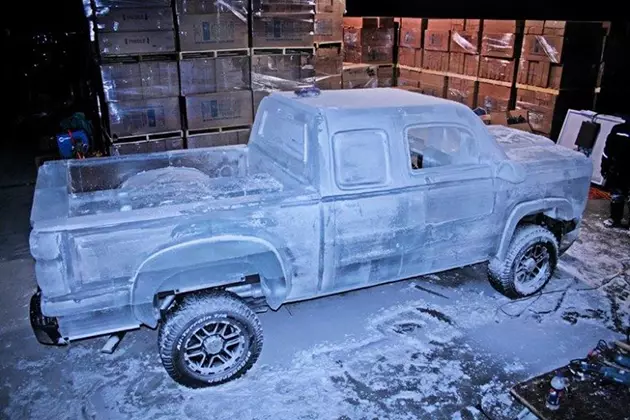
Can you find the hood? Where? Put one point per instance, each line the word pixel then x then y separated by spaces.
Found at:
pixel 522 146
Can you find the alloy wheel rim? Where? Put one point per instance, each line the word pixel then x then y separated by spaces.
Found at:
pixel 532 269
pixel 215 347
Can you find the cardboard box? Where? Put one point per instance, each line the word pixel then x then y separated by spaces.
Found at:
pixel 131 118
pixel 462 91
pixel 555 27
pixel 498 26
pixel 328 61
pixel 534 73
pixel 258 97
pixel 215 110
pixel 210 75
pixel 465 42
pixel 328 27
pixel 224 138
pixel 535 101
pixel 137 81
pixel 282 32
pixel 543 48
pixel 329 82
pixel 210 7
pixel 136 19
pixel 516 119
pixel 132 43
pixel 534 27
pixel 359 76
pixel 435 60
pixel 446 24
pixel 371 22
pixel 555 76
pixel 499 45
pixel 404 82
pixel 473 25
pixel 493 98
pixel 281 72
pixel 432 84
pixel 212 32
pixel 411 33
pixel 146 146
pixel 407 56
pixel 496 69
pixel 466 64
pixel 385 76
pixel 436 40
pixel 330 6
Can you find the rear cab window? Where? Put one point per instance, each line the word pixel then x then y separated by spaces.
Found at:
pixel 361 159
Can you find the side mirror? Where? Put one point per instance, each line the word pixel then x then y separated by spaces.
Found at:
pixel 510 171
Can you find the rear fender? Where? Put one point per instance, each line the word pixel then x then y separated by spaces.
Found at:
pixel 555 208
pixel 207 263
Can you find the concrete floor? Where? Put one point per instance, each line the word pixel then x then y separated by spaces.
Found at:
pixel 440 346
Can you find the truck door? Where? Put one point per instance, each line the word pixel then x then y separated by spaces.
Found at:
pixel 367 212
pixel 456 224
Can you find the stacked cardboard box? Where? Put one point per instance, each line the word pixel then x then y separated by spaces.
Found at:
pixel 141 94
pixel 125 30
pixel 359 76
pixel 464 60
pixel 329 21
pixel 282 24
pixel 328 67
pixel 280 72
pixel 410 44
pixel 368 40
pixel 557 56
pixel 206 25
pixel 496 66
pixel 464 48
pixel 141 97
pixel 217 92
pixel 437 38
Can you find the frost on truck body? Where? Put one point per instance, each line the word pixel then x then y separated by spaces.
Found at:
pixel 334 192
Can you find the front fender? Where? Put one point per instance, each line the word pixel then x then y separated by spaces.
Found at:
pixel 206 263
pixel 556 208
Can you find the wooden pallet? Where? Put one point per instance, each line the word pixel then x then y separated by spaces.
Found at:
pixel 458 75
pixel 283 50
pixel 145 137
pixel 237 52
pixel 538 89
pixel 201 131
pixel 329 44
pixel 138 58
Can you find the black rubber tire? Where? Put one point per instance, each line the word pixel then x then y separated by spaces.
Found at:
pixel 501 273
pixel 190 313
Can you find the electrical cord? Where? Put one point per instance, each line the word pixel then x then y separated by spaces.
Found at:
pixel 538 295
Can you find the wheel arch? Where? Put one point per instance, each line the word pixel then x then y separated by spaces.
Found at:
pixel 205 264
pixel 559 209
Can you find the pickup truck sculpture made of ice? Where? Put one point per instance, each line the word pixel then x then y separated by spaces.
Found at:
pixel 334 192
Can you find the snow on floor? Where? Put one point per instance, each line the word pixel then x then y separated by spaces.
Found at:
pixel 440 346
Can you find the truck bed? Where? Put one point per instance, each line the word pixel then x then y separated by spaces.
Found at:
pixel 74 188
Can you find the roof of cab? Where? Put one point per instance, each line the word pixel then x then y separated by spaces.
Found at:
pixel 373 99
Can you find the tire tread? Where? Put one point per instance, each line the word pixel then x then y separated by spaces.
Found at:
pixel 197 305
pixel 500 271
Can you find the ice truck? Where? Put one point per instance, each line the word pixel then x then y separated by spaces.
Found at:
pixel 334 191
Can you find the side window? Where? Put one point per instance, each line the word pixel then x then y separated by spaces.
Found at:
pixel 361 158
pixel 434 146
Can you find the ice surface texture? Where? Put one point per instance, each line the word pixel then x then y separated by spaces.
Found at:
pixel 322 200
